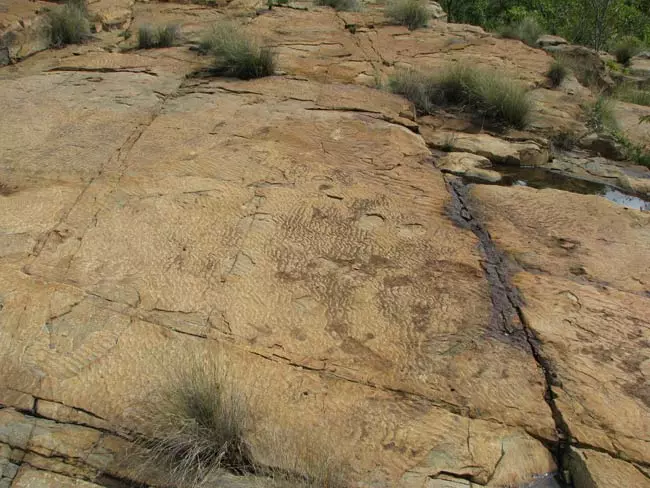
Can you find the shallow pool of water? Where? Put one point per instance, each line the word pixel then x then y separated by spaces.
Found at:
pixel 541 178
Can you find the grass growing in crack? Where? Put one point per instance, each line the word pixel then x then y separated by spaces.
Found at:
pixel 487 94
pixel 67 24
pixel 150 37
pixel 411 13
pixel 198 425
pixel 236 54
pixel 341 5
pixel 557 72
pixel 527 30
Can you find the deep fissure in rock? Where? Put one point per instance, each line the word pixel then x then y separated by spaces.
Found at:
pixel 507 316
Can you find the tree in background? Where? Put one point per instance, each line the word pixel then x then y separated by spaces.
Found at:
pixel 593 23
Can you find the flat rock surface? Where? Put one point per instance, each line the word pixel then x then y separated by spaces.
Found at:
pixel 296 229
pixel 585 293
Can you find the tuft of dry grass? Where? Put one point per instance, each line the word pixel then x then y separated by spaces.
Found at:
pixel 341 5
pixel 198 423
pixel 486 93
pixel 67 24
pixel 150 37
pixel 557 72
pixel 411 13
pixel 236 54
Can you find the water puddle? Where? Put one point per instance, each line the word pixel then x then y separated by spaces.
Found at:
pixel 541 178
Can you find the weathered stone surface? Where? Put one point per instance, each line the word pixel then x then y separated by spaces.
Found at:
pixel 549 40
pixel 604 145
pixel 594 469
pixel 298 200
pixel 295 228
pixel 569 235
pixel 631 178
pixel 36 478
pixel 21 29
pixel 596 341
pixel 627 116
pixel 586 305
pixel 468 164
pixel 493 148
pixel 112 14
pixel 587 64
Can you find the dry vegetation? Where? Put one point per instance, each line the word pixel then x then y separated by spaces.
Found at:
pixel 487 94
pixel 411 13
pixel 154 37
pixel 236 54
pixel 68 24
pixel 198 426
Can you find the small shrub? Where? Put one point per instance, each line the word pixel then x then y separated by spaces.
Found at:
pixel 486 93
pixel 411 13
pixel 557 72
pixel 197 426
pixel 167 35
pixel 236 54
pixel 625 49
pixel 527 30
pixel 150 37
pixel 600 116
pixel 613 66
pixel 350 5
pixel 68 24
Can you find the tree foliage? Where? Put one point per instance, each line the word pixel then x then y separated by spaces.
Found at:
pixel 594 23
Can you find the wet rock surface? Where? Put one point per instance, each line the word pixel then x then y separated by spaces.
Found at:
pixel 297 228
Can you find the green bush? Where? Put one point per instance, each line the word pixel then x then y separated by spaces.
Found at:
pixel 486 93
pixel 153 37
pixel 350 5
pixel 527 30
pixel 411 13
pixel 67 24
pixel 557 72
pixel 236 54
pixel 625 49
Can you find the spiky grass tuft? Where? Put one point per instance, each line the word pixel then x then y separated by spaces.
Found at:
pixel 236 54
pixel 198 424
pixel 486 93
pixel 411 13
pixel 67 24
pixel 150 37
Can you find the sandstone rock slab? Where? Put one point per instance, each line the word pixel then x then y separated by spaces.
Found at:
pixel 493 148
pixel 574 236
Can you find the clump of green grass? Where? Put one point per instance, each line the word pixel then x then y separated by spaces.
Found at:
pixel 625 49
pixel 236 54
pixel 411 13
pixel 527 30
pixel 342 5
pixel 557 72
pixel 150 37
pixel 197 426
pixel 486 93
pixel 630 94
pixel 67 24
